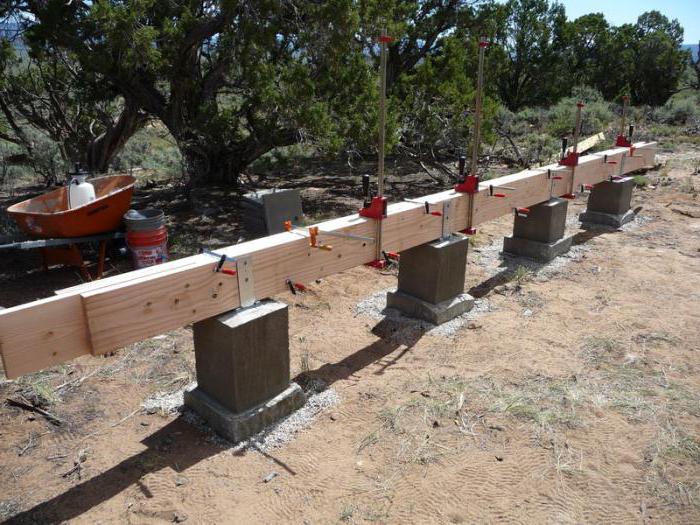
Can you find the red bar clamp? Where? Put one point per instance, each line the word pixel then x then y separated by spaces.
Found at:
pixel 622 142
pixel 571 159
pixel 521 212
pixel 376 209
pixel 469 185
pixel 380 264
pixel 433 213
pixel 569 196
pixel 499 195
pixel 295 287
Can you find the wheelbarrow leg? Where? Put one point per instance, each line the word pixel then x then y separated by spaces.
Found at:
pixel 44 259
pixel 69 255
pixel 101 259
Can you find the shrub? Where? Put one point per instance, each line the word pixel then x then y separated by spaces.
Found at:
pixel 678 111
pixel 596 115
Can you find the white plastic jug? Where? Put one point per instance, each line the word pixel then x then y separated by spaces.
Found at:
pixel 80 192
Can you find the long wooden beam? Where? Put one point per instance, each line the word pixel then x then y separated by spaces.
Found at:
pixel 108 314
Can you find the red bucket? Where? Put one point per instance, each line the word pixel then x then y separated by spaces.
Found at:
pixel 149 247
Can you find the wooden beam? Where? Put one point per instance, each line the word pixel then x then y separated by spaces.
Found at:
pixel 108 314
pixel 588 143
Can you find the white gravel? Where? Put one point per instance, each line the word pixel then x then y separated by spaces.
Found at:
pixel 404 330
pixel 400 329
pixel 166 403
pixel 171 403
pixel 492 259
pixel 285 431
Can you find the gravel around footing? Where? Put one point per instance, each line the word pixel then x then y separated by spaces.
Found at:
pixel 171 403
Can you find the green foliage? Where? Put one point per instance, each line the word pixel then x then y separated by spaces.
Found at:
pixel 544 56
pixel 232 82
pixel 595 117
pixel 679 111
pixel 530 42
pixel 152 149
pixel 436 98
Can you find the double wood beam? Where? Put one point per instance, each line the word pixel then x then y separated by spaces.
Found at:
pixel 98 317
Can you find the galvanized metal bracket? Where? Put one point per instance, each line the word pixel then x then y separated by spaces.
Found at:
pixel 246 284
pixel 622 164
pixel 446 214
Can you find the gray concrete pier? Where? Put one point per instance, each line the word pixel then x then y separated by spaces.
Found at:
pixel 431 281
pixel 242 362
pixel 540 234
pixel 609 203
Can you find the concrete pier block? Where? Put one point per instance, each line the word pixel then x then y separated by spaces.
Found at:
pixel 433 313
pixel 242 362
pixel 609 203
pixel 265 211
pixel 434 272
pixel 239 427
pixel 537 251
pixel 540 235
pixel 431 281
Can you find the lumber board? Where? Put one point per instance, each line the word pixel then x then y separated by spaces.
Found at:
pixel 105 315
pixel 588 143
pixel 43 333
pixel 124 277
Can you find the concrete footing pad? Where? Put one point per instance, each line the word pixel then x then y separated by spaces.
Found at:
pixel 614 220
pixel 539 251
pixel 435 313
pixel 609 203
pixel 239 427
pixel 539 235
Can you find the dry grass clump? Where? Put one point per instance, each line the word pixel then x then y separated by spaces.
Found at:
pixel 671 457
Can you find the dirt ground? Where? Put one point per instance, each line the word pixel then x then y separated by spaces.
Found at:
pixel 571 396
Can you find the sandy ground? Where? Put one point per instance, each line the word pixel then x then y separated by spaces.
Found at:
pixel 571 396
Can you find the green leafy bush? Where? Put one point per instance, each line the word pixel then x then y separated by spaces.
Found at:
pixel 596 115
pixel 678 111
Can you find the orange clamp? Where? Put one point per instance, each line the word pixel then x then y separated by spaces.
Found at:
pixel 313 240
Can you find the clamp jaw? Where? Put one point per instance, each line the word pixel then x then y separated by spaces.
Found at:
pixel 374 207
pixel 470 183
pixel 626 142
pixel 567 158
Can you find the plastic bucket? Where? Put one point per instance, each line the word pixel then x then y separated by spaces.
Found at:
pixel 148 248
pixel 148 219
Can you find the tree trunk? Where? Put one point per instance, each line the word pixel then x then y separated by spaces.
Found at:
pixel 103 148
pixel 208 162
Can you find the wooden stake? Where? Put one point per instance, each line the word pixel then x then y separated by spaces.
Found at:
pixel 577 134
pixel 625 102
pixel 384 39
pixel 483 43
pixel 476 139
pixel 382 111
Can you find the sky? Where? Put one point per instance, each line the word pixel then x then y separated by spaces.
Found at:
pixel 619 12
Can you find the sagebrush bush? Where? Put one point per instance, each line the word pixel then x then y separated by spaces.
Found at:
pixel 596 116
pixel 678 111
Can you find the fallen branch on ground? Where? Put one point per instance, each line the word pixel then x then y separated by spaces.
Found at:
pixel 26 405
